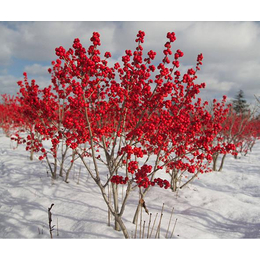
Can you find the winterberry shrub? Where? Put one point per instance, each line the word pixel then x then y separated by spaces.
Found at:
pixel 135 118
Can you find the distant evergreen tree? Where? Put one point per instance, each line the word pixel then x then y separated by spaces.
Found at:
pixel 239 103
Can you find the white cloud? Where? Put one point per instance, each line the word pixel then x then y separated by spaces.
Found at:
pixel 8 84
pixel 7 42
pixel 37 69
pixel 38 40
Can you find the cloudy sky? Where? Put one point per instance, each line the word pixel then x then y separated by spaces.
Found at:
pixel 231 50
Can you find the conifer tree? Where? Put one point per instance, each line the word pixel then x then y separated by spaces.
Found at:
pixel 240 105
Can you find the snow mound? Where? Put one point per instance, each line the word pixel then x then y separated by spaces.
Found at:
pixel 217 205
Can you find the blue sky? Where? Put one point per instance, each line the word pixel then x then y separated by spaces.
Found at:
pixel 231 50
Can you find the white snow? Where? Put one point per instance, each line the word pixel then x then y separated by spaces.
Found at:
pixel 217 205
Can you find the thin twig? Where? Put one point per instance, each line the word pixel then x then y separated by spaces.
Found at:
pixel 50 219
pixel 149 225
pixel 153 225
pixel 108 211
pixel 169 223
pixel 141 210
pixel 174 227
pixel 136 224
pixel 143 229
pixel 122 193
pixel 159 225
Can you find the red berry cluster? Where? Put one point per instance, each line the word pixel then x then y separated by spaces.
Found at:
pixel 140 37
pixel 151 55
pixel 171 36
pixel 96 39
pixel 132 166
pixel 141 176
pixel 199 61
pixel 117 179
pixel 161 183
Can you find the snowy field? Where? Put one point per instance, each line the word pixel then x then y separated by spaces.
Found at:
pixel 218 205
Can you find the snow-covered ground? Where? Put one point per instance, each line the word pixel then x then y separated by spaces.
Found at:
pixel 217 205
